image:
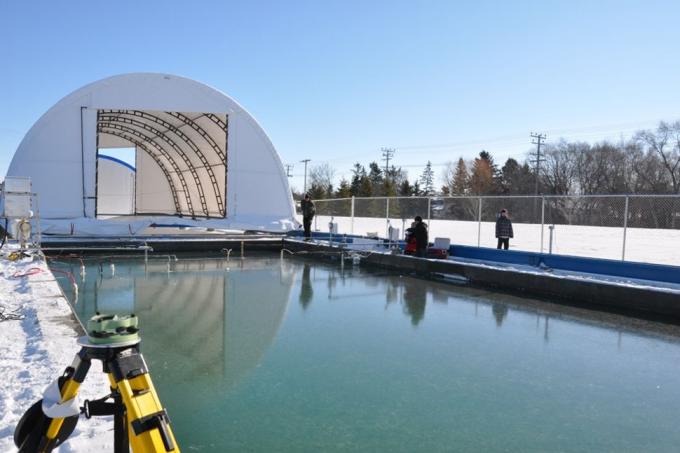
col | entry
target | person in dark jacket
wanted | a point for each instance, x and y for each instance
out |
(420, 233)
(308, 211)
(503, 229)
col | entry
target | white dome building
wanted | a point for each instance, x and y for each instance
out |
(200, 160)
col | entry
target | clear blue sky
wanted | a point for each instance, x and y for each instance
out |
(336, 81)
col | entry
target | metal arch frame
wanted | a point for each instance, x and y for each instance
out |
(163, 152)
(200, 130)
(173, 189)
(217, 120)
(224, 125)
(186, 139)
(226, 162)
(158, 134)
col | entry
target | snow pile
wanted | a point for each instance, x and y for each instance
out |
(35, 350)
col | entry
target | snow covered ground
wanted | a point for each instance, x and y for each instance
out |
(35, 350)
(648, 245)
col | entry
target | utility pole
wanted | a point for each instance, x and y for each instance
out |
(289, 167)
(538, 140)
(304, 161)
(387, 155)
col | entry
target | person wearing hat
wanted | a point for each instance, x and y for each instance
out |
(308, 211)
(420, 234)
(503, 229)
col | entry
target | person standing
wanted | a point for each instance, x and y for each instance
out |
(308, 211)
(420, 233)
(503, 229)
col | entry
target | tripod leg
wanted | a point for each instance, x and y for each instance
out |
(49, 422)
(149, 425)
(75, 375)
(121, 443)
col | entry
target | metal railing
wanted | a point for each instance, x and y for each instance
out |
(625, 227)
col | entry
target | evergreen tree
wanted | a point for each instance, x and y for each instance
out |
(358, 175)
(405, 189)
(461, 179)
(482, 178)
(375, 175)
(516, 179)
(365, 187)
(344, 189)
(427, 179)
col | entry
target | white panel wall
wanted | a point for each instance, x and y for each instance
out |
(115, 188)
(153, 190)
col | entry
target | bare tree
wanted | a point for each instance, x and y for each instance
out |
(321, 181)
(448, 175)
(665, 142)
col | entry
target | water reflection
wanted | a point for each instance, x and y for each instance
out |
(415, 296)
(306, 289)
(215, 318)
(500, 311)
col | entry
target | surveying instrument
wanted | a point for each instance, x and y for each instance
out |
(140, 422)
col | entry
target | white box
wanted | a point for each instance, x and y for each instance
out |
(442, 243)
(16, 195)
(19, 184)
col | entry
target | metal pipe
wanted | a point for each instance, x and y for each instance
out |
(551, 228)
(625, 230)
(542, 220)
(145, 248)
(351, 230)
(37, 217)
(387, 219)
(479, 223)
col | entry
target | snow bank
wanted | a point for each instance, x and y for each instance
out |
(35, 351)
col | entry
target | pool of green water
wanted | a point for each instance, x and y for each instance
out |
(270, 355)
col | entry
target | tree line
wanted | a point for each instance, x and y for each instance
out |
(647, 163)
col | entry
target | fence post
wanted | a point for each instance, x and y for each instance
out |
(625, 229)
(429, 206)
(387, 218)
(351, 229)
(542, 220)
(479, 223)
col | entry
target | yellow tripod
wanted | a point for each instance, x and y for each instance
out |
(140, 422)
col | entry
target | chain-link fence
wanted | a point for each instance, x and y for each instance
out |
(624, 227)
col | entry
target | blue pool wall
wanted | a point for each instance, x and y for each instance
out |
(615, 268)
(627, 269)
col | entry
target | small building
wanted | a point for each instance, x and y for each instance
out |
(200, 160)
